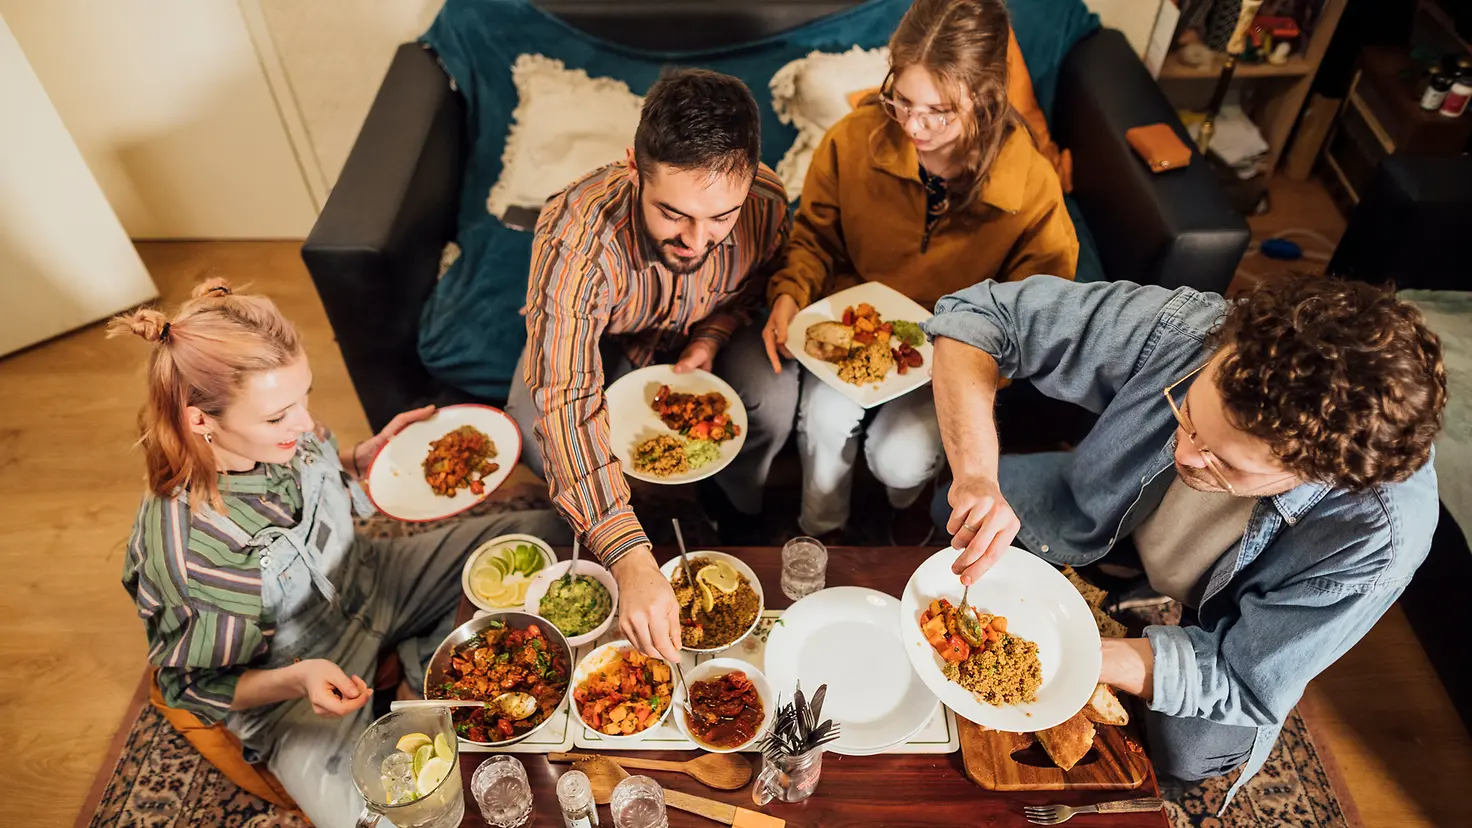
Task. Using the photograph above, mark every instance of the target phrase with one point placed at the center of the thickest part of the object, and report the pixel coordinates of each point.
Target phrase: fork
(1056, 814)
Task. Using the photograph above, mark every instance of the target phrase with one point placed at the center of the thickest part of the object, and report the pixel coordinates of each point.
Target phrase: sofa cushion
(471, 333)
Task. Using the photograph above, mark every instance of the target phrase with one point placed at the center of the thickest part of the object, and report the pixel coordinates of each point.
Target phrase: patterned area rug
(158, 779)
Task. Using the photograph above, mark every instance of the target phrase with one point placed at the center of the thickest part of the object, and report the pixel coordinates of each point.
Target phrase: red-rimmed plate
(396, 482)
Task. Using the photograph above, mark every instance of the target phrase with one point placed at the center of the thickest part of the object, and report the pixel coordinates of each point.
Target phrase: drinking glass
(500, 788)
(383, 775)
(804, 567)
(638, 802)
(788, 778)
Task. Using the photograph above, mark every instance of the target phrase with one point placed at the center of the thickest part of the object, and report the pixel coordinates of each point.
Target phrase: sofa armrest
(1172, 229)
(374, 252)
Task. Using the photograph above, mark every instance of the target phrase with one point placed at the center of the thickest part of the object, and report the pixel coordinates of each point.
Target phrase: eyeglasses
(930, 120)
(1184, 419)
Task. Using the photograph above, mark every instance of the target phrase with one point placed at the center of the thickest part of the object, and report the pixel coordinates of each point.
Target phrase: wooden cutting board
(1001, 761)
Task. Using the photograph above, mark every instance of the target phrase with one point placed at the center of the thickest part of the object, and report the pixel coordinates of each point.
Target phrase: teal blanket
(471, 333)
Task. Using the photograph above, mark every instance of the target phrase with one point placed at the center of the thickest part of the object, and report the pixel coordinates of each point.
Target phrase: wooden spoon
(604, 775)
(722, 771)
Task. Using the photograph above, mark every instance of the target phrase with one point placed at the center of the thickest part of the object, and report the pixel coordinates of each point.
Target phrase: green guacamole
(576, 605)
(909, 332)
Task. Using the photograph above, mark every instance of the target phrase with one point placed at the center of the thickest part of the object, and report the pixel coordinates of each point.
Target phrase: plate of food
(865, 341)
(731, 705)
(498, 575)
(581, 605)
(848, 638)
(441, 466)
(518, 662)
(725, 605)
(674, 428)
(621, 694)
(1040, 661)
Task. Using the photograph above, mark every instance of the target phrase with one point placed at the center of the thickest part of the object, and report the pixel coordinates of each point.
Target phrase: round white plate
(1040, 606)
(396, 474)
(549, 558)
(673, 564)
(848, 638)
(631, 421)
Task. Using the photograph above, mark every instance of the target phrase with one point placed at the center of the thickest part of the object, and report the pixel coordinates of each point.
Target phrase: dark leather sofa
(375, 249)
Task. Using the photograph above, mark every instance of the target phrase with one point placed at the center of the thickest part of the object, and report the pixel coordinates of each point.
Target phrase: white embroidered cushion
(566, 124)
(812, 93)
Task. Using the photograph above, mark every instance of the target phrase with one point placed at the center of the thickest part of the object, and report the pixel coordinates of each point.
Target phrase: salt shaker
(575, 796)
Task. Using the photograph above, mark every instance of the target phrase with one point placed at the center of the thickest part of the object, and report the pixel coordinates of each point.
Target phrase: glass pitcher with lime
(406, 766)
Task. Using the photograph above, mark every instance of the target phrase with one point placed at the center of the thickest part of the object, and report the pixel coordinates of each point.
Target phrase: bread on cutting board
(1067, 743)
(1105, 708)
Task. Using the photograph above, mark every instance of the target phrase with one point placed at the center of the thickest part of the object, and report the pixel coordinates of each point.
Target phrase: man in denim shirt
(1269, 460)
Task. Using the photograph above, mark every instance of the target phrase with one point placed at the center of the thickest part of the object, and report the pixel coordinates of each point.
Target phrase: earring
(208, 437)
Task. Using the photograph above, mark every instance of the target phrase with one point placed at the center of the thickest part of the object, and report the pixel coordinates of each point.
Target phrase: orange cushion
(1025, 101)
(223, 750)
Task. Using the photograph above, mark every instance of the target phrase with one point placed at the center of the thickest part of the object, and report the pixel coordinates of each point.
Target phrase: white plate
(892, 305)
(396, 482)
(848, 638)
(543, 581)
(1040, 606)
(740, 566)
(715, 668)
(549, 558)
(631, 421)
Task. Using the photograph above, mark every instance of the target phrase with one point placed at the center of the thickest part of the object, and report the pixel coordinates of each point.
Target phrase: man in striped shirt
(662, 258)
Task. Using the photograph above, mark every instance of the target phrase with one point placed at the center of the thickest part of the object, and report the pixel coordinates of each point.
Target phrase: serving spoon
(967, 623)
(514, 705)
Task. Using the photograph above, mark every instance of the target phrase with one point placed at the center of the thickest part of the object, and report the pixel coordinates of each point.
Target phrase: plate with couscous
(674, 428)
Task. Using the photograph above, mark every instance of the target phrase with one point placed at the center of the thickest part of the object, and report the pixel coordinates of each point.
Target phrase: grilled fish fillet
(829, 341)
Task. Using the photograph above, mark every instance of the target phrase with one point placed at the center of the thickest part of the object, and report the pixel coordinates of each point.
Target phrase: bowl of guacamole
(580, 604)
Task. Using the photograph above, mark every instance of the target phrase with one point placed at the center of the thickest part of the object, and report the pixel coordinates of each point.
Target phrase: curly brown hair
(1342, 380)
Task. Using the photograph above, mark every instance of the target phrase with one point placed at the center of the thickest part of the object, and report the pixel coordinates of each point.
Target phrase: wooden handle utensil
(722, 771)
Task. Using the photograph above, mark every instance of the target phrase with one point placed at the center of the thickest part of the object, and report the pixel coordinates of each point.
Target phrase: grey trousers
(770, 400)
(1190, 748)
(400, 592)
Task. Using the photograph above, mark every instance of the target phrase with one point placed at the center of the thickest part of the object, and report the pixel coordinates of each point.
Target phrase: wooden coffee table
(888, 790)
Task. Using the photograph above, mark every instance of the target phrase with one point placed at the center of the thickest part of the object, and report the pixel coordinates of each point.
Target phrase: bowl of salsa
(580, 606)
(731, 705)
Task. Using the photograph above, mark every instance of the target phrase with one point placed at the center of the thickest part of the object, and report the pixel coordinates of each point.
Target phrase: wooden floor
(73, 648)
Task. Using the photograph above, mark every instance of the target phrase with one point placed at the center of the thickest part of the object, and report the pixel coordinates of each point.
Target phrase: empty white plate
(892, 306)
(848, 638)
(1041, 606)
(631, 421)
(396, 482)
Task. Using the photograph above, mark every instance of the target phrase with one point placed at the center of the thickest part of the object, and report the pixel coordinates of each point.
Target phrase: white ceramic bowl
(673, 565)
(591, 663)
(716, 668)
(490, 546)
(543, 581)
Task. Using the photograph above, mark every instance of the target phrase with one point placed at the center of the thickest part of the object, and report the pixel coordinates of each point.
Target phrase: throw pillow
(565, 124)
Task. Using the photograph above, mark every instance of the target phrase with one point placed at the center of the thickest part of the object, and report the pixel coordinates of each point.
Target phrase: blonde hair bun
(145, 322)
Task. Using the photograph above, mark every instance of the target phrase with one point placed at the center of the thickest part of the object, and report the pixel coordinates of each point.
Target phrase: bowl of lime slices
(499, 572)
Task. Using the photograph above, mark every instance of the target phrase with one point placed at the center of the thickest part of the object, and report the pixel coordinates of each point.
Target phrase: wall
(1135, 18)
(170, 106)
(64, 258)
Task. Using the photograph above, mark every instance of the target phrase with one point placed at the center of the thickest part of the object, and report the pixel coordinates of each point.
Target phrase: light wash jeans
(901, 444)
(770, 400)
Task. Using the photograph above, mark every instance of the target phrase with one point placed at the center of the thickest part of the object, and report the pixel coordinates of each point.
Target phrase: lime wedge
(431, 775)
(422, 755)
(720, 575)
(412, 742)
(442, 748)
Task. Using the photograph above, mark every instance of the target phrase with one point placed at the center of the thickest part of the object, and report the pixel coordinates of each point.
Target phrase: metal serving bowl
(438, 671)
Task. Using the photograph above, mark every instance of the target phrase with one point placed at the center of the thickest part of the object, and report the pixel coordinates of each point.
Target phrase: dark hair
(1342, 380)
(963, 44)
(696, 119)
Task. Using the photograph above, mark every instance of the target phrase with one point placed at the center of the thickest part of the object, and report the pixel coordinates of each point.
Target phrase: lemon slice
(720, 575)
(707, 598)
(431, 775)
(442, 748)
(412, 742)
(422, 755)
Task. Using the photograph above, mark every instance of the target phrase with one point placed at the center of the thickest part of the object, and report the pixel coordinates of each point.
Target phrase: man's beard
(1199, 479)
(680, 265)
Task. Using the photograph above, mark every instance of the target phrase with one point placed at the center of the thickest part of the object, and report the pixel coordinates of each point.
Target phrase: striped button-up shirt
(594, 273)
(199, 592)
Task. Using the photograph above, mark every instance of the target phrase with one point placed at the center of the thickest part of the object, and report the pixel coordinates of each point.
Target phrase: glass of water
(804, 567)
(638, 802)
(500, 788)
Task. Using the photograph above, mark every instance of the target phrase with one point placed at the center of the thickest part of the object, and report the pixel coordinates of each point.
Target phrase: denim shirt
(1316, 567)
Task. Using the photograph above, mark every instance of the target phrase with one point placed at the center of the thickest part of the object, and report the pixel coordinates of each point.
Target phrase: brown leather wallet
(1159, 146)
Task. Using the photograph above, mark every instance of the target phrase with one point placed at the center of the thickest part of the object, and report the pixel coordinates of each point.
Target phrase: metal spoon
(514, 705)
(967, 624)
(685, 561)
(572, 567)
